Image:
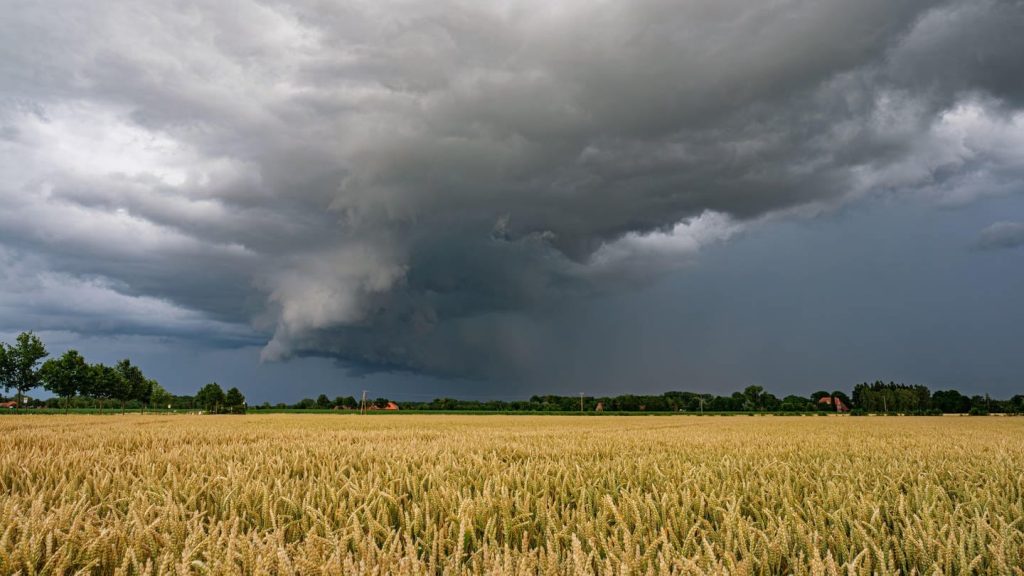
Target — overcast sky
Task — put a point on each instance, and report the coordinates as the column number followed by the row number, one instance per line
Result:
column 492, row 199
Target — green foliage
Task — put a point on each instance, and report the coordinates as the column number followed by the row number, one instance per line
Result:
column 306, row 404
column 106, row 383
column 345, row 402
column 211, row 397
column 234, row 401
column 951, row 402
column 133, row 385
column 158, row 396
column 892, row 398
column 19, row 364
column 66, row 376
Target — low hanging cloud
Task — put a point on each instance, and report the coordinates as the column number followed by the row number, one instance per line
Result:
column 412, row 185
column 1001, row 235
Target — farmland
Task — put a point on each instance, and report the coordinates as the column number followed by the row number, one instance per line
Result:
column 444, row 494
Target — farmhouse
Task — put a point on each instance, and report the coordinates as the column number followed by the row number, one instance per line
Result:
column 835, row 402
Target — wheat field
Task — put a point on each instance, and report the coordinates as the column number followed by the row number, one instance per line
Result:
column 409, row 494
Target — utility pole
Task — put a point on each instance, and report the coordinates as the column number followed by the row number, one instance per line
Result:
column 362, row 403
column 581, row 401
column 701, row 405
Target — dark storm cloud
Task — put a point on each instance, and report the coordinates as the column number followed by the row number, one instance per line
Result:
column 416, row 185
column 1001, row 235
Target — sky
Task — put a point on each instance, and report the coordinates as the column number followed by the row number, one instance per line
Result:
column 489, row 199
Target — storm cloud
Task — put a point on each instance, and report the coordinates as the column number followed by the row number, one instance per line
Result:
column 417, row 185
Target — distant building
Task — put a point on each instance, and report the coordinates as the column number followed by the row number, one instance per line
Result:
column 835, row 402
column 11, row 404
column 600, row 407
column 391, row 406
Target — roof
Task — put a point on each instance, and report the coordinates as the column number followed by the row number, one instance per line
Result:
column 837, row 402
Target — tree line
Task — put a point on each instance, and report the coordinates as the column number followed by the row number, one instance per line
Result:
column 867, row 398
column 79, row 384
column 875, row 398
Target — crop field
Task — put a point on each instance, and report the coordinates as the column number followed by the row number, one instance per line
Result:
column 411, row 494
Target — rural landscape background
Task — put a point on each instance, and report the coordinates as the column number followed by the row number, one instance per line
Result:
column 79, row 385
column 453, row 287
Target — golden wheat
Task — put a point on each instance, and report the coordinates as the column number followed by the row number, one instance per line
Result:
column 309, row 494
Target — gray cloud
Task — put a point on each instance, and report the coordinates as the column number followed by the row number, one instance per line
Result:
column 416, row 186
column 1001, row 235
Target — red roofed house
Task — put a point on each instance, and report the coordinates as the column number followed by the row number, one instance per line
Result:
column 11, row 404
column 836, row 402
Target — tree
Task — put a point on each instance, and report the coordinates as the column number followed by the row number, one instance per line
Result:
column 134, row 386
column 158, row 396
column 235, row 401
column 1017, row 404
column 66, row 376
column 144, row 392
column 345, row 402
column 323, row 402
column 106, row 382
column 19, row 364
column 793, row 403
column 951, row 402
column 130, row 381
column 211, row 397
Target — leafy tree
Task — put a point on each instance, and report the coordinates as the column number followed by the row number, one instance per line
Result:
column 951, row 402
column 346, row 402
column 211, row 397
column 19, row 364
column 1017, row 404
column 133, row 383
column 235, row 401
column 66, row 376
column 158, row 396
column 144, row 392
column 323, row 402
column 106, row 383
column 754, row 397
column 796, row 404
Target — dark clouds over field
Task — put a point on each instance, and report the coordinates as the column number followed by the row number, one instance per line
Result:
column 450, row 189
